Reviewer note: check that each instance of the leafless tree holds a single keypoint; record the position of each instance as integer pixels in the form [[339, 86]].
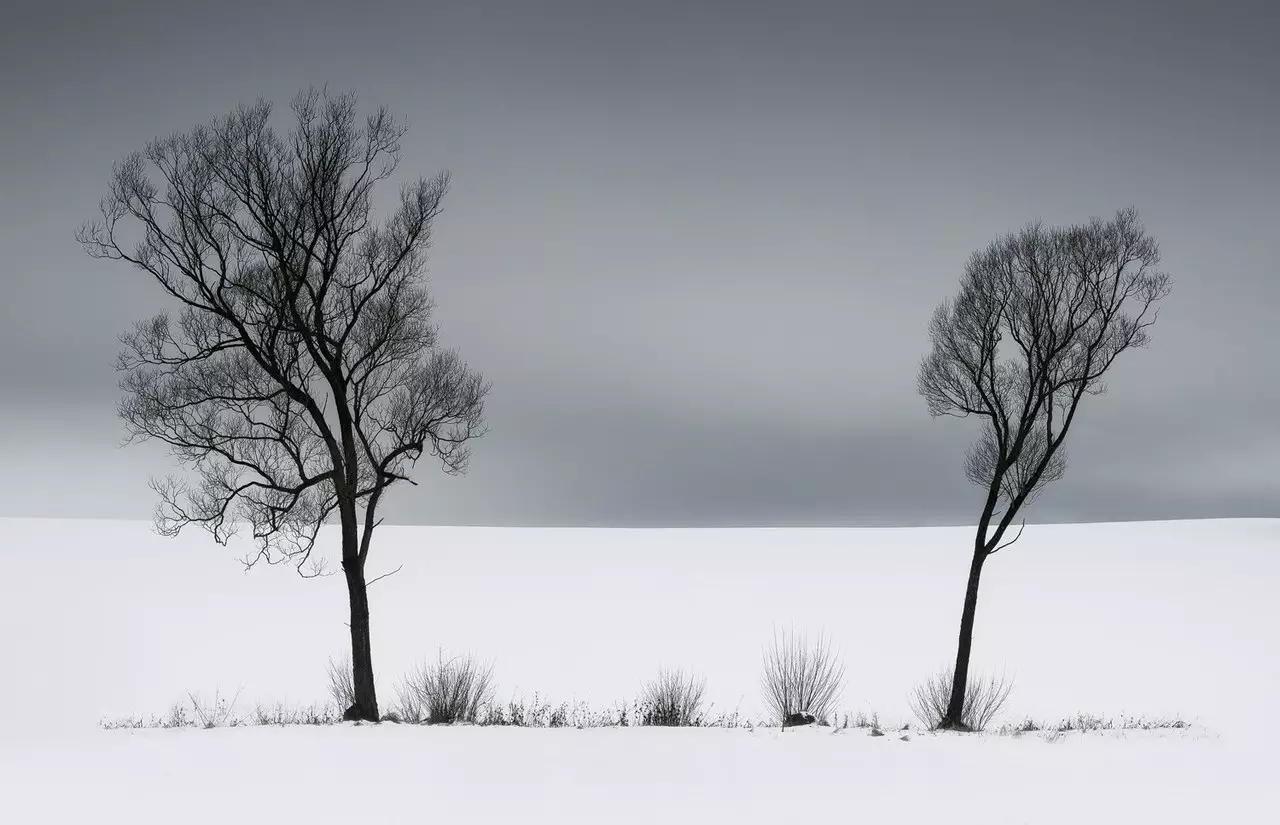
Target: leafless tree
[[1040, 317], [301, 375]]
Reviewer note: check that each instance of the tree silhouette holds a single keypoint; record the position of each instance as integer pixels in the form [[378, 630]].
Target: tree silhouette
[[301, 376], [1040, 317]]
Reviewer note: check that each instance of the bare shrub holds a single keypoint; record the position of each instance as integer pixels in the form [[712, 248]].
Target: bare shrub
[[278, 713], [800, 678], [265, 714], [218, 713], [983, 698], [729, 720], [342, 683], [1027, 725], [861, 720], [448, 691], [538, 713], [672, 700], [409, 703], [177, 717]]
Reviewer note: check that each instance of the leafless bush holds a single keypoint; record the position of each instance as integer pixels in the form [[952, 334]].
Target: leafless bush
[[177, 717], [983, 698], [861, 720], [729, 720], [409, 705], [799, 678], [1027, 725], [540, 713], [280, 714], [672, 700], [218, 713], [451, 690], [342, 684]]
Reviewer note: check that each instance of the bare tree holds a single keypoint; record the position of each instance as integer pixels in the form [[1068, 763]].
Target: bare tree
[[1040, 317], [301, 375]]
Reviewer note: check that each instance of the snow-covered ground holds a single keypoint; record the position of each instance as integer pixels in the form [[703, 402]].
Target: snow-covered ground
[[105, 619]]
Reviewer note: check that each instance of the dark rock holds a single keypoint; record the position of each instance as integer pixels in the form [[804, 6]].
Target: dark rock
[[877, 732], [797, 719]]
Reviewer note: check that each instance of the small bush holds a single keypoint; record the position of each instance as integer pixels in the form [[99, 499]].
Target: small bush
[[342, 685], [521, 713], [539, 713], [983, 698], [178, 717], [279, 714], [861, 720], [126, 723], [409, 705], [728, 720], [216, 714], [799, 678], [449, 691], [672, 700]]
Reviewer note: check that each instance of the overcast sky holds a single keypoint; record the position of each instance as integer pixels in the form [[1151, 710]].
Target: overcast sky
[[695, 246]]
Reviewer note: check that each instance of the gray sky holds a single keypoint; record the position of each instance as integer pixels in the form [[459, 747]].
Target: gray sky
[[695, 246]]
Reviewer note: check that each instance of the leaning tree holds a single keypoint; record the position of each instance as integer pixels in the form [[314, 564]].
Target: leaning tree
[[1040, 317], [301, 375]]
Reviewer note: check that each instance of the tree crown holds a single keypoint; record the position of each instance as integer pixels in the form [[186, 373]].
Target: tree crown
[[302, 373], [1040, 317]]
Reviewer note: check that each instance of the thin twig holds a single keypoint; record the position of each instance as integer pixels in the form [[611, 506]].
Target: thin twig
[[383, 576]]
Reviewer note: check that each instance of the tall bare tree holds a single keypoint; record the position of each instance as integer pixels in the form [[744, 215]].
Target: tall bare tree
[[301, 375], [1040, 317]]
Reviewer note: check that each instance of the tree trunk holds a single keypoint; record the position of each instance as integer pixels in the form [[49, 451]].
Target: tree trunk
[[954, 718], [365, 707]]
